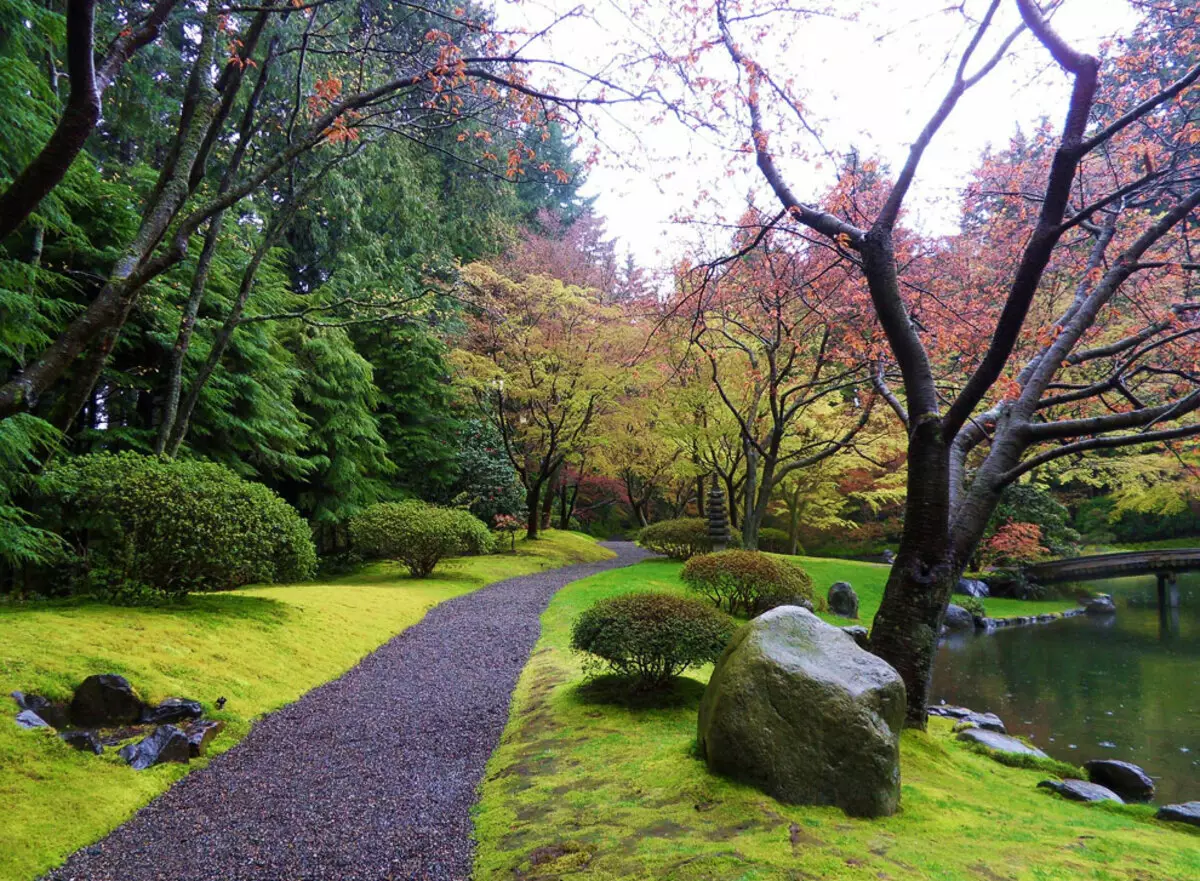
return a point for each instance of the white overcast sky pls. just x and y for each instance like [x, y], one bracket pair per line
[874, 94]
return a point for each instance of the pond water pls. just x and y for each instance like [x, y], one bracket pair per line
[1123, 687]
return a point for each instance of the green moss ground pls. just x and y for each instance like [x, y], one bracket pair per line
[586, 785]
[261, 648]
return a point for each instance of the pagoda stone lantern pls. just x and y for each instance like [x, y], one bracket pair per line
[718, 521]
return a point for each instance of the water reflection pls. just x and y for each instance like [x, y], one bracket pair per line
[1125, 686]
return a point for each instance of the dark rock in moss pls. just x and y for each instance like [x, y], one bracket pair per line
[105, 700]
[200, 734]
[859, 634]
[804, 714]
[30, 719]
[1101, 604]
[971, 587]
[165, 744]
[1002, 743]
[1125, 779]
[54, 715]
[843, 600]
[173, 709]
[958, 618]
[1187, 812]
[83, 740]
[1081, 790]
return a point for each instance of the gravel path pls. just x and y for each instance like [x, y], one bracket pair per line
[370, 776]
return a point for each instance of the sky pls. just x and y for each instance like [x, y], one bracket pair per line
[870, 83]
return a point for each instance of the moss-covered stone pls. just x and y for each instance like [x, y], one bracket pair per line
[797, 709]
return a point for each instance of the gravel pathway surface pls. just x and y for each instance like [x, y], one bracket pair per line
[370, 776]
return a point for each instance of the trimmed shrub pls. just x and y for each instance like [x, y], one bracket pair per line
[418, 535]
[679, 539]
[735, 580]
[144, 527]
[775, 541]
[974, 605]
[651, 637]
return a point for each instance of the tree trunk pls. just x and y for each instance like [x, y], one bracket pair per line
[700, 497]
[548, 499]
[749, 527]
[533, 509]
[905, 630]
[794, 521]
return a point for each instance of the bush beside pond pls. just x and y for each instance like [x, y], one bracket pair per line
[740, 582]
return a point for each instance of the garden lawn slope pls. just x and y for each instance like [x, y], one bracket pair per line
[585, 782]
[259, 647]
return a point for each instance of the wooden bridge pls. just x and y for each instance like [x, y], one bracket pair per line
[1164, 564]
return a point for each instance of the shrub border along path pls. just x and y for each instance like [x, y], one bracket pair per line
[370, 776]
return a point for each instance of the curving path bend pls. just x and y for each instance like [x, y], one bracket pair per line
[370, 776]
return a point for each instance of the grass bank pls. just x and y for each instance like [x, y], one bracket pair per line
[585, 783]
[261, 648]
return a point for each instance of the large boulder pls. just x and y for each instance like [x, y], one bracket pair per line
[958, 618]
[1187, 812]
[800, 711]
[1081, 790]
[843, 600]
[971, 587]
[105, 700]
[1125, 779]
[165, 744]
[1001, 743]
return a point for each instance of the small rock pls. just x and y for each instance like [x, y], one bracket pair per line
[201, 734]
[1125, 779]
[859, 634]
[958, 618]
[82, 740]
[767, 602]
[971, 587]
[843, 600]
[1100, 604]
[173, 709]
[1001, 743]
[54, 715]
[1187, 812]
[30, 719]
[1081, 790]
[105, 700]
[165, 744]
[948, 710]
[888, 557]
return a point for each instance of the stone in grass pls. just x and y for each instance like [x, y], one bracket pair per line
[958, 618]
[105, 700]
[859, 634]
[201, 734]
[83, 740]
[30, 719]
[1081, 790]
[54, 715]
[173, 709]
[1187, 812]
[971, 587]
[843, 600]
[1125, 779]
[804, 714]
[165, 744]
[1000, 743]
[1100, 604]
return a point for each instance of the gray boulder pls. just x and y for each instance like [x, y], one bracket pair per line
[1081, 790]
[799, 711]
[888, 556]
[986, 721]
[958, 618]
[843, 600]
[54, 715]
[971, 587]
[30, 719]
[1100, 604]
[1000, 743]
[165, 744]
[173, 709]
[105, 700]
[1187, 812]
[1125, 779]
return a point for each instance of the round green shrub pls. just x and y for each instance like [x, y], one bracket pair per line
[418, 535]
[143, 527]
[679, 539]
[775, 541]
[735, 580]
[651, 637]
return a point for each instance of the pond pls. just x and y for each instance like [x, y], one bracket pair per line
[1123, 687]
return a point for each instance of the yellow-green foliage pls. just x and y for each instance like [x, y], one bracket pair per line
[260, 647]
[615, 791]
